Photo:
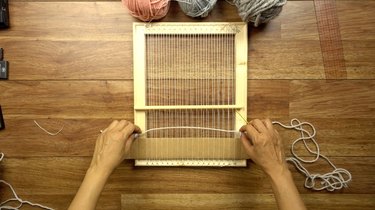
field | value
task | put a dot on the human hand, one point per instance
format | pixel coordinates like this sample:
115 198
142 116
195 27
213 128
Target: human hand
113 145
264 145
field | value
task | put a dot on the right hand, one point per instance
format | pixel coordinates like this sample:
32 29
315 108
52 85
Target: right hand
264 146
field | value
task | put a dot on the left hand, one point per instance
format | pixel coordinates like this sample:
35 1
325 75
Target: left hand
113 145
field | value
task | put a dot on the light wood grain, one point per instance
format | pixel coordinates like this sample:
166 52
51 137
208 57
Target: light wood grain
23 138
285 59
68 21
108 201
332 99
67 99
238 201
268 99
336 137
57 60
298 21
355 19
357 27
359 58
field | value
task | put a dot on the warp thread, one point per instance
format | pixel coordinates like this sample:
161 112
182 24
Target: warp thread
335 180
197 8
259 11
4 205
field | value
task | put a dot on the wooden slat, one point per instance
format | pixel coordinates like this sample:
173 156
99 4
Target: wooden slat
241 66
359 58
294 25
332 99
22 138
285 59
62 176
240 201
197 201
357 27
56 60
107 201
67 99
356 20
97 21
268 98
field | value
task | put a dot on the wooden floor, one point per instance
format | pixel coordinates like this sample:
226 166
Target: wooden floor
71 64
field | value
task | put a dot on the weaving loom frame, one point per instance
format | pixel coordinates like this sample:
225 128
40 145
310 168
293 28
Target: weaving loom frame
140 30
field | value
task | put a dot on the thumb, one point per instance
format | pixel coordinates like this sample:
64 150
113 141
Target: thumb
247 145
128 145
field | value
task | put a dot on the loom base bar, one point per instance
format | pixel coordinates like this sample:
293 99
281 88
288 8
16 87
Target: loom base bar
187 149
200 163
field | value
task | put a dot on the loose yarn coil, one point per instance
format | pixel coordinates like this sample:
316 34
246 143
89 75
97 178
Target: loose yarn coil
259 11
147 10
197 8
337 179
16 201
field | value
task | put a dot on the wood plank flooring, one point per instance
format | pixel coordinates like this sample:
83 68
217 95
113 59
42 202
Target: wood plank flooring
71 64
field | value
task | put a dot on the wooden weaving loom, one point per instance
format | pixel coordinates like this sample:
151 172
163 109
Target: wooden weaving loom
190 91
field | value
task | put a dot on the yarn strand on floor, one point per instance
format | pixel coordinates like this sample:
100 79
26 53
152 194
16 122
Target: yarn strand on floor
334 180
4 205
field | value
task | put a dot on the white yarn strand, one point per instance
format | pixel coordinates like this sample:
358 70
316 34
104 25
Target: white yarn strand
48 132
186 127
4 205
335 180
191 127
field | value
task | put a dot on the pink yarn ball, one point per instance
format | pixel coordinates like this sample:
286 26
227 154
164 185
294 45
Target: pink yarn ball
147 10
